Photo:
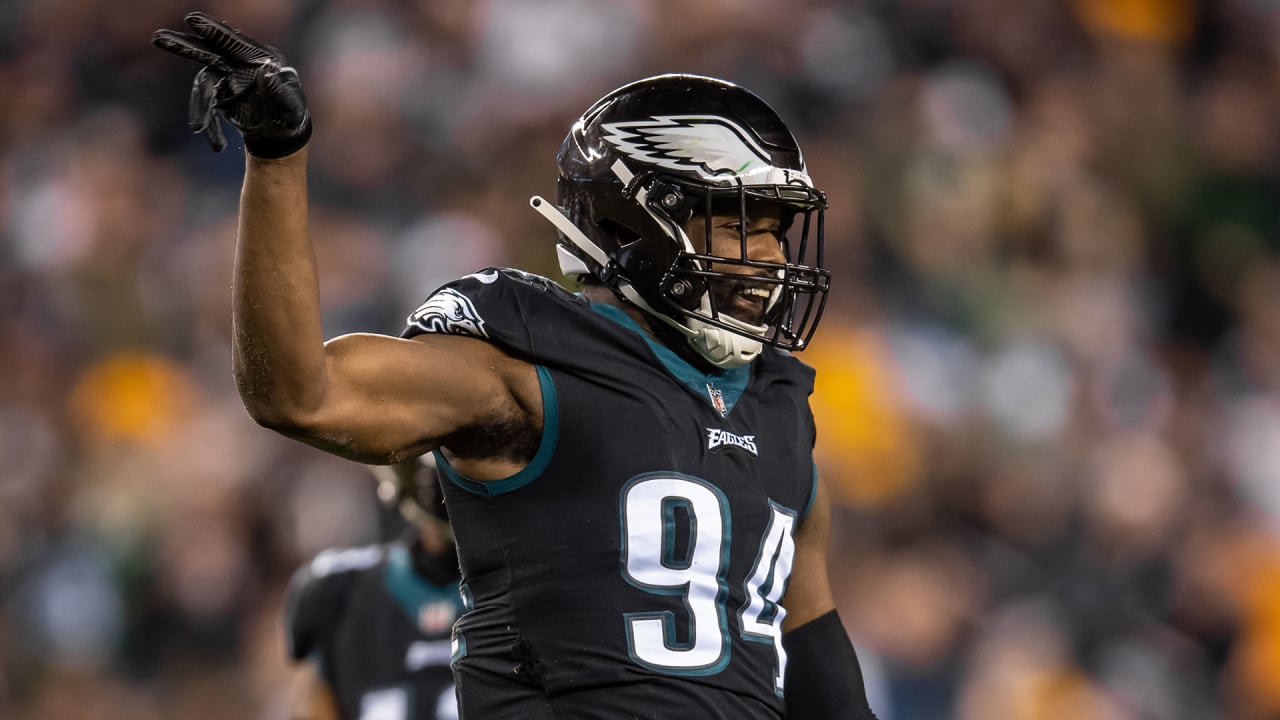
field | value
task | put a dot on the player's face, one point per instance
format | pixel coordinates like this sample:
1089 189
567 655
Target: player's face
743 299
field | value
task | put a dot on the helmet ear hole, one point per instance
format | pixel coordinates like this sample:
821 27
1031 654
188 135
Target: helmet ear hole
669 198
684 291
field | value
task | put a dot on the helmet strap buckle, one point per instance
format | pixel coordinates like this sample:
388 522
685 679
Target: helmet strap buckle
610 273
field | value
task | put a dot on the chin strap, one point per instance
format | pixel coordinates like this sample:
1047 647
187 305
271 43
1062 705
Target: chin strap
723 348
718 346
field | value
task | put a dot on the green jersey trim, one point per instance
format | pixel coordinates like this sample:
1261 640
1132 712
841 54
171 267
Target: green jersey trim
729 383
536 466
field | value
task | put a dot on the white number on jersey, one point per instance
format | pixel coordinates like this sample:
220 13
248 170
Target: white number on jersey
650 526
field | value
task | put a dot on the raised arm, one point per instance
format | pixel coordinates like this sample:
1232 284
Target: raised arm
371 398
279 362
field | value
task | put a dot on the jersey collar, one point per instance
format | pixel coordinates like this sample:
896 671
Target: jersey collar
721 388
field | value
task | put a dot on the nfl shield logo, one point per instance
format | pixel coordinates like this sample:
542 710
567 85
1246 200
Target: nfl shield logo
717 398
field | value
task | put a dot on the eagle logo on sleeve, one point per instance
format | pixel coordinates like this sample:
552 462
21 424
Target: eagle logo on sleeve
449 312
711 146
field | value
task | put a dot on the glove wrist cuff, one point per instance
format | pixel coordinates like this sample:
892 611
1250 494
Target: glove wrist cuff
278 147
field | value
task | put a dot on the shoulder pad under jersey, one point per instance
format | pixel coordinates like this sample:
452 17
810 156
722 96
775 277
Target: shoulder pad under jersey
495 304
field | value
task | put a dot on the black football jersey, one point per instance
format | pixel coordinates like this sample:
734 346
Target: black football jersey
634 568
379 631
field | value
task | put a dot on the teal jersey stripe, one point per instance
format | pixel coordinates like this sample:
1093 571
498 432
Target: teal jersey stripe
813 493
731 383
542 458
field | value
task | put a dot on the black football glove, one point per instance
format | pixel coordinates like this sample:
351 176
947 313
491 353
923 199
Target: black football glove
244 81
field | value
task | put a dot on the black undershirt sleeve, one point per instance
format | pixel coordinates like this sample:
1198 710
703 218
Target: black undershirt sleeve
824 680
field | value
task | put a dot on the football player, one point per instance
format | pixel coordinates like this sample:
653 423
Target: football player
641 529
370 627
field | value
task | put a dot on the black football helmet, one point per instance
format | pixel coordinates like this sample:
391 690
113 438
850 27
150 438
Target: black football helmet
413 488
636 168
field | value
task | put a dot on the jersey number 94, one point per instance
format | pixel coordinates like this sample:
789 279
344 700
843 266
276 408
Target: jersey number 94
675 543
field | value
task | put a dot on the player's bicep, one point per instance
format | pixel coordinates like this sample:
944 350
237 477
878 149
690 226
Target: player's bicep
809 590
388 398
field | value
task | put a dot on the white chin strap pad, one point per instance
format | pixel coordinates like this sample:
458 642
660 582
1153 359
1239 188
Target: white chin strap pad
720 347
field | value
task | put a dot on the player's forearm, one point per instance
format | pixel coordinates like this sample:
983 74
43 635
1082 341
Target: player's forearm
277 339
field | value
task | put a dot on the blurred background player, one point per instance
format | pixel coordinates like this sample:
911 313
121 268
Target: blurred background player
370 626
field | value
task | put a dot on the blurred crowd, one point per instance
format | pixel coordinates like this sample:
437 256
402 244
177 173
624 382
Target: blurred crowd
1049 375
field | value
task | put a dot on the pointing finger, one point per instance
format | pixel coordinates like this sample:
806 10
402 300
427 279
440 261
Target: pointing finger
228 41
187 46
